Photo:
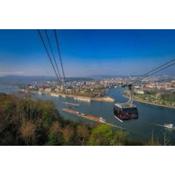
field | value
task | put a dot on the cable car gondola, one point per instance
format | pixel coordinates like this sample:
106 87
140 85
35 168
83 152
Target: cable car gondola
126 111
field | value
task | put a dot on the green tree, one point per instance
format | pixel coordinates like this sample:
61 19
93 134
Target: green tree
82 133
152 141
106 135
119 137
68 135
55 136
101 135
27 131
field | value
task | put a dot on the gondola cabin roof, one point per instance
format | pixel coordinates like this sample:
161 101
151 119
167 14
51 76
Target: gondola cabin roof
125 105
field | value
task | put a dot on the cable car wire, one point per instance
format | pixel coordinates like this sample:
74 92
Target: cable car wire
53 56
59 53
159 67
164 67
156 70
48 54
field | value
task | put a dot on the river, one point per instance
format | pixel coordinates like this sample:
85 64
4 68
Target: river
150 116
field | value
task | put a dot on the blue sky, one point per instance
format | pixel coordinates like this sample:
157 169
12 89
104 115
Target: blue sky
88 52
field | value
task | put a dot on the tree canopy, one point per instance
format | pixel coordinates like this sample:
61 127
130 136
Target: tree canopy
25 121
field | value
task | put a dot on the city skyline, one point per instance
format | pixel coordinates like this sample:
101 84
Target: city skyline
88 52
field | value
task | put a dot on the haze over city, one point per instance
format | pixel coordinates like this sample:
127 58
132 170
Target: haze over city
88 52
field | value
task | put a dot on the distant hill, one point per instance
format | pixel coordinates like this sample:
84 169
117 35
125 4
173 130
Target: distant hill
21 80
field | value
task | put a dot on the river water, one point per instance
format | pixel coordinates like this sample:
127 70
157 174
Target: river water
150 116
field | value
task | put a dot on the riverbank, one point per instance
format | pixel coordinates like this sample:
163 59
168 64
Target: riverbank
155 104
83 98
150 103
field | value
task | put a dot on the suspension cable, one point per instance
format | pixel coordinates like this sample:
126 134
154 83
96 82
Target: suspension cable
48 54
156 70
162 68
53 56
59 54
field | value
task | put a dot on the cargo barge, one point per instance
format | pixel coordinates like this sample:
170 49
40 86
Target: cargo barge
86 116
90 117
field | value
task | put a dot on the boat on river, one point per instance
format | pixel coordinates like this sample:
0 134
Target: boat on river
86 116
168 125
71 104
